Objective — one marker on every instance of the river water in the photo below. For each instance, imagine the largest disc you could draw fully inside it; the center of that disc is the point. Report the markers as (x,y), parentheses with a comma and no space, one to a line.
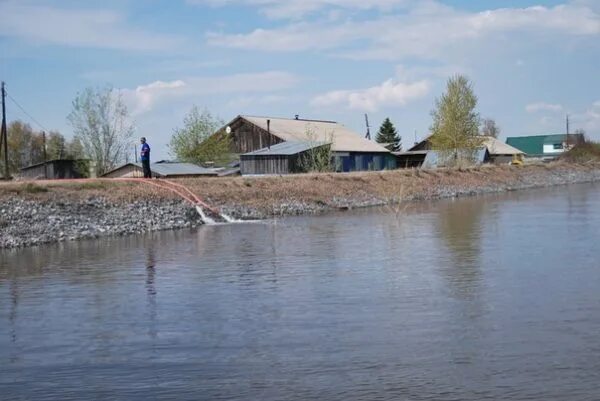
(494,297)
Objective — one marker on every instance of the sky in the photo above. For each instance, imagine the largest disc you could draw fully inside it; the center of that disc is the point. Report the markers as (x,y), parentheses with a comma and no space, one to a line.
(531,62)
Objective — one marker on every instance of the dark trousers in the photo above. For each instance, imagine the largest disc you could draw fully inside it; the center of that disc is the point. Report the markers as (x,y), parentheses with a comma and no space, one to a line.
(146,167)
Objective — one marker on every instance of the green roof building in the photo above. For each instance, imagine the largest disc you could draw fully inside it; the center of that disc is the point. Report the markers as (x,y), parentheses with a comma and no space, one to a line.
(544,145)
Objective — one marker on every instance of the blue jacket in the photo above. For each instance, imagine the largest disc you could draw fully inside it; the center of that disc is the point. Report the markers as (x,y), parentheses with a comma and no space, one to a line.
(145,152)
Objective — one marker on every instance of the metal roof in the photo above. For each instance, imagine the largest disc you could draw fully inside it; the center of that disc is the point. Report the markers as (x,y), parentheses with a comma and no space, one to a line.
(167,169)
(286,149)
(497,147)
(51,162)
(342,139)
(411,152)
(493,145)
(172,169)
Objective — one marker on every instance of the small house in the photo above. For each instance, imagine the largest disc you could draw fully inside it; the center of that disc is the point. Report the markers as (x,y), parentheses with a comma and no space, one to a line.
(496,152)
(350,150)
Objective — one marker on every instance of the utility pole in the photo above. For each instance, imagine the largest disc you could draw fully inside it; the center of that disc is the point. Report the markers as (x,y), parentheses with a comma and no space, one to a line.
(45,155)
(368,136)
(269,132)
(3,133)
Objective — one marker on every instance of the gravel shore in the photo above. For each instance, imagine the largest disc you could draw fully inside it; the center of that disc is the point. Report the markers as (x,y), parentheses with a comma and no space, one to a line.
(26,222)
(45,218)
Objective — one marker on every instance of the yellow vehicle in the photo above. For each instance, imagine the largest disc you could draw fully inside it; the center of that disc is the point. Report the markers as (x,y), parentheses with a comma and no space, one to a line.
(517,160)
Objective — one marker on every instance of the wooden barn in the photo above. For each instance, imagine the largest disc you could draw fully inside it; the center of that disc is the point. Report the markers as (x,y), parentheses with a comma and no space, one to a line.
(350,150)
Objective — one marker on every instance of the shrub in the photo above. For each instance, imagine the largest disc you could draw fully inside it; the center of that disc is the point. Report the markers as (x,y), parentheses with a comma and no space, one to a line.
(583,153)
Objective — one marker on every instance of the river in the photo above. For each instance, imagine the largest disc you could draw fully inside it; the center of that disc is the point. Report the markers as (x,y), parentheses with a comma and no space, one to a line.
(494,297)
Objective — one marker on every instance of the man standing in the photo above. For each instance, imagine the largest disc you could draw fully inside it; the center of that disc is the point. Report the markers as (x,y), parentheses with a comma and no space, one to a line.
(145,157)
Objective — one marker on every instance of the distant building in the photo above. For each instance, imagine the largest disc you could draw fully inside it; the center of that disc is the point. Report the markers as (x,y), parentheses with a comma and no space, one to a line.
(350,150)
(56,169)
(496,152)
(163,170)
(545,146)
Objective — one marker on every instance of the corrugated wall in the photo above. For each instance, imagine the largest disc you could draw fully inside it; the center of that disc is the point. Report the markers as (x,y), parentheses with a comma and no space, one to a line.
(250,165)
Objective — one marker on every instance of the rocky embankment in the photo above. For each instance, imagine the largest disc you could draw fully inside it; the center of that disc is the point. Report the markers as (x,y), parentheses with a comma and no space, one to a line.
(32,214)
(26,222)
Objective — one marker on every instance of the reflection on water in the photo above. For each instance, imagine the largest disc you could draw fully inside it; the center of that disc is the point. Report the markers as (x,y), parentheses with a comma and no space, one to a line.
(483,298)
(460,227)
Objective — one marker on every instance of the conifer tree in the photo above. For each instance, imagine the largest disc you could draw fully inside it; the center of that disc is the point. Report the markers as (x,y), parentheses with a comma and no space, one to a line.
(388,135)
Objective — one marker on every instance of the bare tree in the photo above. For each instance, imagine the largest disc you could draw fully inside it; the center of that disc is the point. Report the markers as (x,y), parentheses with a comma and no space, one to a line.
(101,122)
(489,128)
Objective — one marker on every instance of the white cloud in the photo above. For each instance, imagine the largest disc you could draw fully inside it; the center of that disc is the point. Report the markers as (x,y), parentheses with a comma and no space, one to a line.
(389,93)
(145,98)
(428,30)
(293,38)
(541,106)
(290,9)
(78,28)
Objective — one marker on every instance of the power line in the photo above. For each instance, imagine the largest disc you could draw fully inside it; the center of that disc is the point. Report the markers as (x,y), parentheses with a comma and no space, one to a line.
(26,113)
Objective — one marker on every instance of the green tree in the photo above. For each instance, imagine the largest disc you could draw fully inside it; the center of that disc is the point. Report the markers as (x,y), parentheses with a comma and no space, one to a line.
(74,149)
(388,135)
(23,150)
(455,128)
(200,140)
(101,122)
(489,128)
(56,146)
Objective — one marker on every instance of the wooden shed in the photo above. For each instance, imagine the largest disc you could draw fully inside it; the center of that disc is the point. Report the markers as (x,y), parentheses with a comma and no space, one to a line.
(56,169)
(283,158)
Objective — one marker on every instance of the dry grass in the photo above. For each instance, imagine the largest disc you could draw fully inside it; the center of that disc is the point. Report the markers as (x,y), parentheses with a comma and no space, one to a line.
(324,189)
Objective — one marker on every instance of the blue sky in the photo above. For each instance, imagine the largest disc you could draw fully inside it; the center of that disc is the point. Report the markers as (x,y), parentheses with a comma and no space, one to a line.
(532,62)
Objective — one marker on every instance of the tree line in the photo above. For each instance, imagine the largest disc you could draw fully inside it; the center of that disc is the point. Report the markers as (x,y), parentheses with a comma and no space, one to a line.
(26,146)
(103,131)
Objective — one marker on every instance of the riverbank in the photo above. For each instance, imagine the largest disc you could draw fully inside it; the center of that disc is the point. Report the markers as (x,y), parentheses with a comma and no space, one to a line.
(33,213)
